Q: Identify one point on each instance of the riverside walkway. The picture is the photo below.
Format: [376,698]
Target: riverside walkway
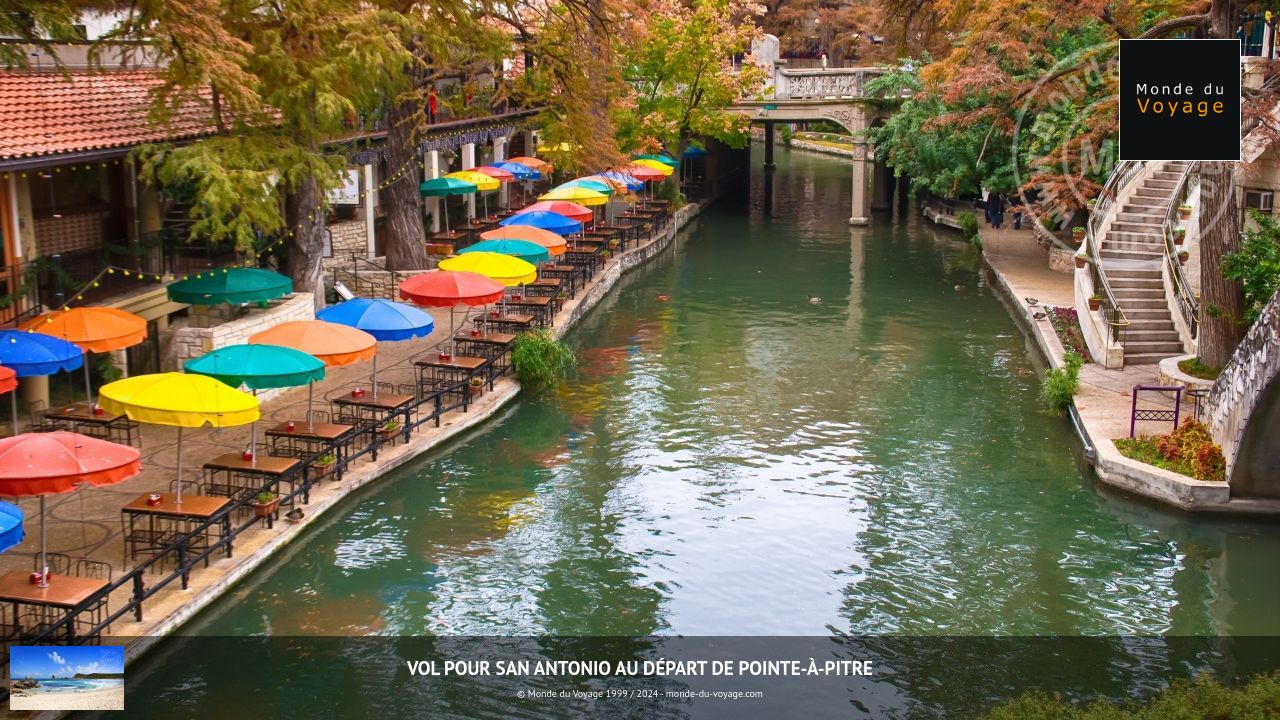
[87,523]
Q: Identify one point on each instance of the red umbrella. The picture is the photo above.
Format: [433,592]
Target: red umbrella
[571,210]
[9,383]
[444,288]
[58,462]
[496,173]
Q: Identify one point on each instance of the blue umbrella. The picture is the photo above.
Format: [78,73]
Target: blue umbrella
[522,172]
[693,151]
[31,354]
[532,253]
[554,222]
[11,532]
[383,319]
[631,182]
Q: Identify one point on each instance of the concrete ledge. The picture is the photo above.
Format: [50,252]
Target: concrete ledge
[1158,484]
[1171,375]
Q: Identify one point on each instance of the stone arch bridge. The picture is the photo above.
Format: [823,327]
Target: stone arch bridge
[837,95]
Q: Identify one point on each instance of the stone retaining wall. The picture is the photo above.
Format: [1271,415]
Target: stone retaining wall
[349,238]
[1236,392]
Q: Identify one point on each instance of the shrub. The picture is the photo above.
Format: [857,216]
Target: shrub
[1257,264]
[1060,384]
[1197,369]
[1202,699]
[1188,450]
[785,132]
[968,223]
[540,359]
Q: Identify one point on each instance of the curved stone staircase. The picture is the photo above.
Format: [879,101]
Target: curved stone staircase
[1132,250]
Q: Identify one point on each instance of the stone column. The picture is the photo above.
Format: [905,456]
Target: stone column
[468,162]
[769,165]
[500,154]
[431,171]
[861,175]
[370,200]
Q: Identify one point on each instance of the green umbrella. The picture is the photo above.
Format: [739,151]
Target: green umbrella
[443,186]
[665,160]
[258,367]
[531,253]
[230,285]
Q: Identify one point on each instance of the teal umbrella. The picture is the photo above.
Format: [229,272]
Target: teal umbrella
[230,285]
[445,186]
[531,253]
[589,185]
[259,367]
[664,159]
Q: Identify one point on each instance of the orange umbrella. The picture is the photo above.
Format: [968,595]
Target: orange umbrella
[540,165]
[58,462]
[554,244]
[94,329]
[333,343]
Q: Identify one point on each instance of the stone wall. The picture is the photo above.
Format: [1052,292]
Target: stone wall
[349,238]
[1237,391]
[192,342]
[364,280]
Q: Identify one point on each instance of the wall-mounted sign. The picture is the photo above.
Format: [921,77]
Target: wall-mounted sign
[348,193]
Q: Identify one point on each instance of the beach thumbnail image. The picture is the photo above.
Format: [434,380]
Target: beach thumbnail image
[58,677]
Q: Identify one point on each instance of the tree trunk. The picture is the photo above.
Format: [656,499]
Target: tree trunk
[306,247]
[1221,300]
[405,240]
[1224,18]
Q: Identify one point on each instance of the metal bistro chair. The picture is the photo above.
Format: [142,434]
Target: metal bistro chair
[59,563]
[99,609]
[38,421]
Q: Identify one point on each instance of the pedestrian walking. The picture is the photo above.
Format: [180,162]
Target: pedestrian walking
[996,203]
[433,104]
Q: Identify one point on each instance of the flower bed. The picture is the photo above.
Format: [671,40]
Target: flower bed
[1189,450]
[1066,323]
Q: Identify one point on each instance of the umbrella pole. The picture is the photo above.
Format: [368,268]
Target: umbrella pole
[253,439]
[88,389]
[486,204]
[453,341]
[444,202]
[13,405]
[311,387]
[44,560]
[374,380]
[179,500]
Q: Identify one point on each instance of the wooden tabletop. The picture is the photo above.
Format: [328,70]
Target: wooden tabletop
[317,431]
[457,362]
[493,338]
[201,507]
[65,591]
[530,300]
[384,401]
[513,318]
[447,236]
[262,464]
[80,412]
[546,282]
[558,269]
[600,233]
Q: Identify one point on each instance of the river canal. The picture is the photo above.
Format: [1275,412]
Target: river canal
[736,458]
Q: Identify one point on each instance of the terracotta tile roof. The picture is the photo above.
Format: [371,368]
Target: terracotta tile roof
[48,113]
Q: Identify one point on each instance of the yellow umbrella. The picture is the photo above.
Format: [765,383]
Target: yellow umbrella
[663,168]
[509,271]
[580,195]
[480,180]
[617,187]
[179,399]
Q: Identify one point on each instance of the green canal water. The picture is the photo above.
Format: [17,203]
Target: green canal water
[734,459]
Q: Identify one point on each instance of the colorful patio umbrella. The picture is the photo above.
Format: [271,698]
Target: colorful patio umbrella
[664,159]
[552,222]
[94,329]
[11,530]
[31,354]
[694,151]
[330,342]
[632,182]
[571,210]
[504,269]
[9,384]
[580,195]
[58,462]
[257,367]
[181,400]
[440,288]
[519,170]
[230,285]
[617,187]
[661,167]
[443,187]
[496,173]
[541,166]
[642,172]
[383,319]
[483,183]
[586,183]
[554,244]
[529,252]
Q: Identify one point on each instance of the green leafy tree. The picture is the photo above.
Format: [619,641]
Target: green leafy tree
[1257,264]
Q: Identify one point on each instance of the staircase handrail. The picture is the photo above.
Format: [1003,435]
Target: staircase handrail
[1123,174]
[1187,303]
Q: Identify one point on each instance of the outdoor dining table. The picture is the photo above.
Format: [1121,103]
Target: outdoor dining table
[379,410]
[565,272]
[511,322]
[585,258]
[252,474]
[309,440]
[544,286]
[79,417]
[494,346]
[456,238]
[169,520]
[63,591]
[543,307]
[452,375]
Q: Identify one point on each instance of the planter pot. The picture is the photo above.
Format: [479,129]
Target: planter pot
[1095,304]
[266,509]
[1182,259]
[475,390]
[1184,214]
[323,471]
[439,249]
[1177,239]
[1077,234]
[1080,262]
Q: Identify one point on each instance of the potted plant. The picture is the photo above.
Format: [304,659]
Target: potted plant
[1077,233]
[324,464]
[1092,203]
[613,244]
[388,429]
[265,504]
[1095,302]
[1179,235]
[562,296]
[604,254]
[1184,211]
[1081,259]
[476,386]
[1182,256]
